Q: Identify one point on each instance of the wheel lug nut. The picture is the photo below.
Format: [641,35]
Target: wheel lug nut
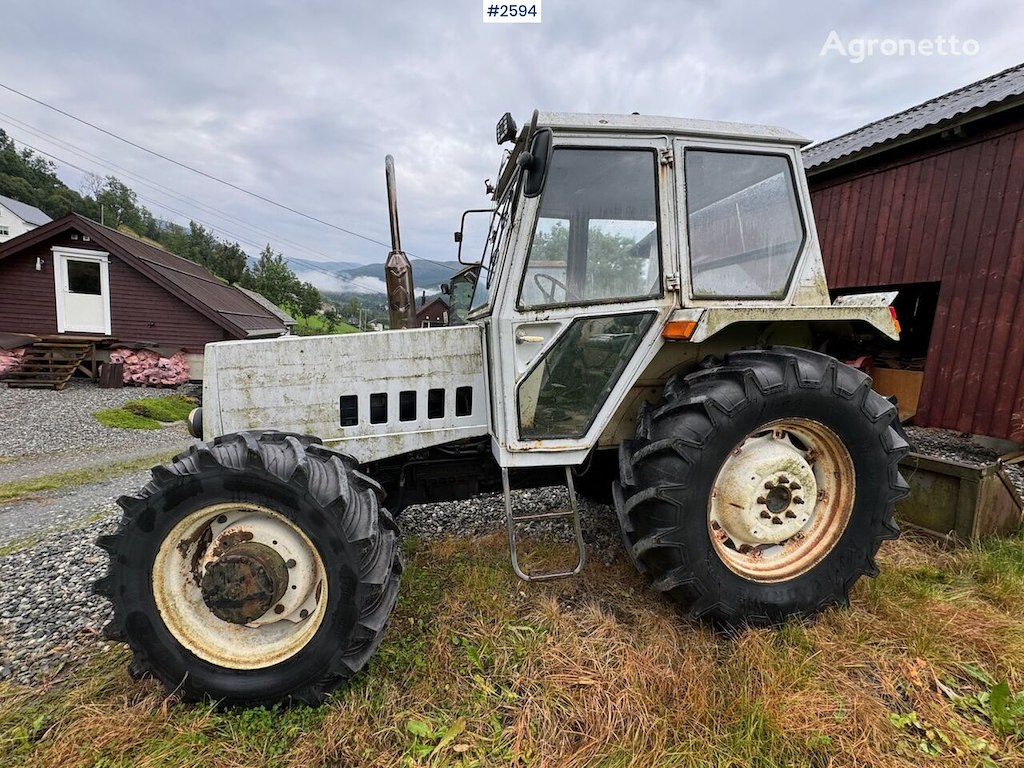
[769,485]
[797,500]
[783,479]
[278,608]
[303,613]
[221,519]
[765,514]
[795,485]
[762,500]
[289,563]
[790,514]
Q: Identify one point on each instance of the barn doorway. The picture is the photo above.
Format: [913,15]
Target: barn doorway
[898,368]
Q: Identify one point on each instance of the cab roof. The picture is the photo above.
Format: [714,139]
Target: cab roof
[577,122]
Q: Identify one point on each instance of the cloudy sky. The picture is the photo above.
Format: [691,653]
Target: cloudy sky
[299,101]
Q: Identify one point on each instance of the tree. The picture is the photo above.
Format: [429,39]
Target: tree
[119,205]
[332,320]
[273,278]
[353,309]
[307,299]
[229,262]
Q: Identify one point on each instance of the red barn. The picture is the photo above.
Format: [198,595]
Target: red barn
[930,201]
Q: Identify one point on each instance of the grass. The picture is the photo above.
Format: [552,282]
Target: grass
[314,325]
[147,413]
[478,669]
[21,488]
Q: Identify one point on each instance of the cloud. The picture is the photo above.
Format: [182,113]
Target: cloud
[360,284]
[300,102]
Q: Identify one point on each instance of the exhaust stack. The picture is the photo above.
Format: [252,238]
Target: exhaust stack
[397,269]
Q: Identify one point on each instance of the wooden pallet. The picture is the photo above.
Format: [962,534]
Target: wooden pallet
[50,363]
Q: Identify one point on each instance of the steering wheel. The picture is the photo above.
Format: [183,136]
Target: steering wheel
[549,296]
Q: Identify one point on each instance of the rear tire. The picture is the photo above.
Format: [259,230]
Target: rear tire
[712,502]
[300,507]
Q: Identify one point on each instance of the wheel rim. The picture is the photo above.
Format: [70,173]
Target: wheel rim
[782,500]
[239,585]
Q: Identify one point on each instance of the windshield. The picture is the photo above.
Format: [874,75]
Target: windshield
[596,238]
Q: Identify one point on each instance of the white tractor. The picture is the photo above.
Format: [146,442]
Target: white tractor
[645,324]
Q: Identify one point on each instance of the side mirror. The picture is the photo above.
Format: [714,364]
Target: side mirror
[459,236]
[535,163]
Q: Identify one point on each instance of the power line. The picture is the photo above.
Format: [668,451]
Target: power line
[21,125]
[210,176]
[233,236]
[187,167]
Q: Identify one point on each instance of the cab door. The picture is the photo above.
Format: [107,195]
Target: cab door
[584,298]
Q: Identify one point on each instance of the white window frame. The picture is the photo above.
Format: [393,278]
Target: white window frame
[80,254]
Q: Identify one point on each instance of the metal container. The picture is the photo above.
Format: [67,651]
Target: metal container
[955,500]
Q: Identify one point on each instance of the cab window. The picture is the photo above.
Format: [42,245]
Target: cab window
[596,238]
[743,223]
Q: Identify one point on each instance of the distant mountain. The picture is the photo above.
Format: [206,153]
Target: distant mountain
[425,274]
[329,266]
[368,278]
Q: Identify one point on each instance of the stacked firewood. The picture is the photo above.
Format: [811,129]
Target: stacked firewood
[148,368]
[10,359]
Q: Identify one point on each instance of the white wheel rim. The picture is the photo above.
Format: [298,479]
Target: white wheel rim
[782,500]
[189,549]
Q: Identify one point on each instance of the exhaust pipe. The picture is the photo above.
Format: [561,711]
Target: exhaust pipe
[397,269]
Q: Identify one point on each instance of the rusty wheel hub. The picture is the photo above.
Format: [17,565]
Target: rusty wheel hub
[244,582]
[240,585]
[781,500]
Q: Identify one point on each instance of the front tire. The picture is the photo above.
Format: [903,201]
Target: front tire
[762,489]
[254,569]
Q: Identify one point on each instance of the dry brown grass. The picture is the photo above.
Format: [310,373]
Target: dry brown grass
[480,669]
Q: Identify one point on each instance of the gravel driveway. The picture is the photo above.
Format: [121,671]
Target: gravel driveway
[48,613]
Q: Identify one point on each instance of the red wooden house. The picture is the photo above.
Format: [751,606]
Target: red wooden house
[75,278]
[431,313]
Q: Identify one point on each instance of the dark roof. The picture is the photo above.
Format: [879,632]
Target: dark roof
[430,306]
[1000,91]
[266,303]
[227,306]
[24,211]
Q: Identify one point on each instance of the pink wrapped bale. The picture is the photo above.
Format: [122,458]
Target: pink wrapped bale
[10,359]
[146,367]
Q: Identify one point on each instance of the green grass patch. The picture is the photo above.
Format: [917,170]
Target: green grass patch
[147,413]
[316,325]
[22,488]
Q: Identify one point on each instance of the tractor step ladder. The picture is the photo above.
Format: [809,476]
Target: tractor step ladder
[514,521]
